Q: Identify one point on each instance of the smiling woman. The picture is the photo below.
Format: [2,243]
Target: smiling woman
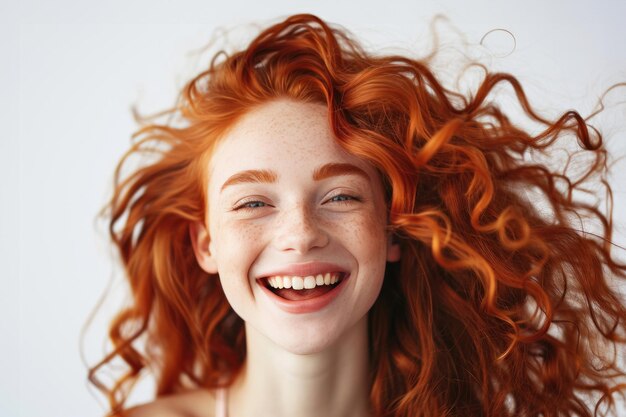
[274,217]
[331,232]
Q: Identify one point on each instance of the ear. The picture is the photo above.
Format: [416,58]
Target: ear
[393,249]
[201,242]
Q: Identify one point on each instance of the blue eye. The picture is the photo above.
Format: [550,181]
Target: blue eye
[255,204]
[341,197]
[250,205]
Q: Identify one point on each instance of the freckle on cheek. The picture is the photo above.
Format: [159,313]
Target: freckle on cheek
[248,231]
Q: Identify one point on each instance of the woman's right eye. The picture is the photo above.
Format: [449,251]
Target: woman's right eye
[249,205]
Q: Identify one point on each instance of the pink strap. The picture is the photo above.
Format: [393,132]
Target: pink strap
[221,409]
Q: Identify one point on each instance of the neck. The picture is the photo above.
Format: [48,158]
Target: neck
[275,382]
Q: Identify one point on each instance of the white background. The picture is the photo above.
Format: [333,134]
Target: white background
[70,71]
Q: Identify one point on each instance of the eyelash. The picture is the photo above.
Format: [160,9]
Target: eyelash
[246,205]
[256,204]
[346,198]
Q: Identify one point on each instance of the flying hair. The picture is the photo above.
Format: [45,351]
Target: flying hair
[498,306]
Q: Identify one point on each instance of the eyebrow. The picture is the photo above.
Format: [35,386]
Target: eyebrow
[251,176]
[266,176]
[336,169]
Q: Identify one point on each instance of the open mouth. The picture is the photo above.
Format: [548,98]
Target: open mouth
[296,288]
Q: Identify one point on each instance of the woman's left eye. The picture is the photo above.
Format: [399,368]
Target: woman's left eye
[342,198]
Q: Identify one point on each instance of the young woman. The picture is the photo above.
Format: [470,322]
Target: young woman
[328,232]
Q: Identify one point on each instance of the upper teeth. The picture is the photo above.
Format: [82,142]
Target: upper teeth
[300,283]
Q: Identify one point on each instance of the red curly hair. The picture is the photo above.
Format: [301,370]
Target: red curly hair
[500,306]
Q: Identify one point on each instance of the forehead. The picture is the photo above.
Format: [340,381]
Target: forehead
[282,124]
[285,136]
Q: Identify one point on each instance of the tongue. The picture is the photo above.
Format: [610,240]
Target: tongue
[298,295]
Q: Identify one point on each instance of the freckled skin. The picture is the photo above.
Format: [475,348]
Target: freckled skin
[296,220]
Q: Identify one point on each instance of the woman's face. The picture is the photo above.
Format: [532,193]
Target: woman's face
[287,207]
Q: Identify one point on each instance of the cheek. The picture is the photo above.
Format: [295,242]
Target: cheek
[366,241]
[236,245]
[367,235]
[369,246]
[236,248]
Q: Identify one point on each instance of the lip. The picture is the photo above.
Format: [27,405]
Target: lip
[304,269]
[313,304]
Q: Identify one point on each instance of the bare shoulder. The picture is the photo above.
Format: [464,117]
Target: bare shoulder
[196,403]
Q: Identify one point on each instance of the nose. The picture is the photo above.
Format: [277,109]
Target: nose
[298,229]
